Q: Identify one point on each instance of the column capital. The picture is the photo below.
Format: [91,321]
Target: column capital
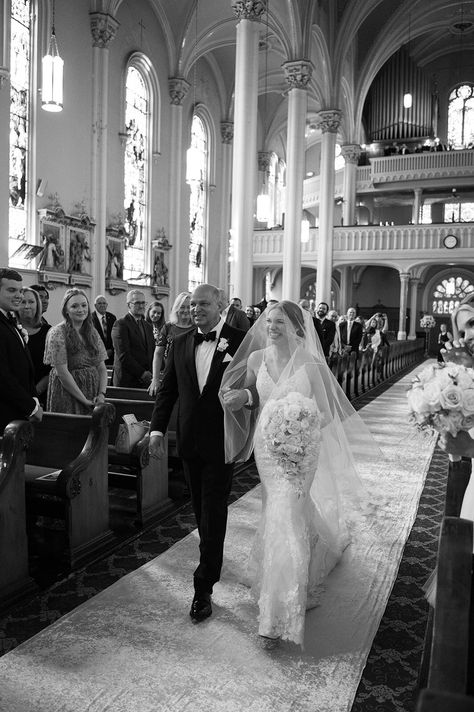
[249,9]
[227,131]
[178,88]
[351,152]
[404,277]
[414,281]
[329,120]
[298,73]
[4,76]
[103,28]
[264,159]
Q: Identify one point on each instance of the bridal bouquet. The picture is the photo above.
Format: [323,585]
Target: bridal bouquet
[442,399]
[290,429]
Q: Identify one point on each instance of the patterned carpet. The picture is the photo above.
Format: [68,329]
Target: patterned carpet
[389,681]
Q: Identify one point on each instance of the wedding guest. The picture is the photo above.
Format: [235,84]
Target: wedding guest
[327,330]
[134,345]
[350,332]
[374,339]
[155,315]
[103,321]
[250,314]
[193,373]
[77,355]
[179,323]
[18,399]
[30,316]
[444,336]
[233,313]
[44,298]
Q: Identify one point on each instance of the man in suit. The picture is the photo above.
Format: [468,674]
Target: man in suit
[133,344]
[233,313]
[103,321]
[18,399]
[327,328]
[350,332]
[193,373]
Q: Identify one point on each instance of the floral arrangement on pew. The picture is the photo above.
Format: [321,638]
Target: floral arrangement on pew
[427,322]
[442,399]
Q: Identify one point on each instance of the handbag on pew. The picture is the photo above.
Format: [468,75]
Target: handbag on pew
[130,432]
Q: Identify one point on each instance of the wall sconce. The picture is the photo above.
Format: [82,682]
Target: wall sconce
[407,100]
[52,89]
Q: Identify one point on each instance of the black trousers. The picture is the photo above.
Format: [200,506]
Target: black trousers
[209,485]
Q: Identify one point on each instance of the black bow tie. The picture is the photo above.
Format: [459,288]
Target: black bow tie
[11,318]
[199,338]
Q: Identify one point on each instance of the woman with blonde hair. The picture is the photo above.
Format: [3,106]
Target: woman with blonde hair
[179,323]
[74,349]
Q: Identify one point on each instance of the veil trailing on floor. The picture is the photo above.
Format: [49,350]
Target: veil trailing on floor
[347,447]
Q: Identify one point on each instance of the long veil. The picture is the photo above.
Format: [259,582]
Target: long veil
[347,446]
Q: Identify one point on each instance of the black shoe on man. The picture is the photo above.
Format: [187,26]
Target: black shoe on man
[201,607]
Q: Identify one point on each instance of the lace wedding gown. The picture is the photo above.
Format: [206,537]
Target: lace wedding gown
[294,548]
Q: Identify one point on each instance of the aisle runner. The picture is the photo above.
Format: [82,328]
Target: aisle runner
[132,648]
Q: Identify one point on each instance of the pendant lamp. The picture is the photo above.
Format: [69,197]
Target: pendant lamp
[52,89]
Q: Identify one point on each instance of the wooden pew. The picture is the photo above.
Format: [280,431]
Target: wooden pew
[14,579]
[66,478]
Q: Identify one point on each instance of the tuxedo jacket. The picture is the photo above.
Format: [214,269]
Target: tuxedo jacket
[355,336]
[326,330]
[107,338]
[131,355]
[17,381]
[200,420]
[237,318]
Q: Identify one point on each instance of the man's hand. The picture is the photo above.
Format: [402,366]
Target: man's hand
[457,352]
[146,378]
[235,399]
[37,417]
[156,447]
[462,445]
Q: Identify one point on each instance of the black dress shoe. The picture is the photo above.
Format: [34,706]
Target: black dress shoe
[201,607]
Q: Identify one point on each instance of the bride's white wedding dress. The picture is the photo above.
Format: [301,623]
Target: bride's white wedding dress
[295,546]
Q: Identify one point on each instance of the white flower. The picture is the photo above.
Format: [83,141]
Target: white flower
[223,344]
[23,332]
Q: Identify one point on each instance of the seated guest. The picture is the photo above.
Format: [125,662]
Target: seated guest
[78,377]
[179,323]
[30,316]
[155,315]
[18,400]
[134,345]
[44,298]
[103,321]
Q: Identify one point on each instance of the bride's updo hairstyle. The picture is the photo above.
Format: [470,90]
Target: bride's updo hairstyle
[294,314]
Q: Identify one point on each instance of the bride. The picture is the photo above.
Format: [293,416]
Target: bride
[281,400]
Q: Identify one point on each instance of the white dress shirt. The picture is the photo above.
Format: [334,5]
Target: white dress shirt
[204,354]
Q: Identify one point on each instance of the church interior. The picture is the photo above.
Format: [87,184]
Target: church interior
[318,150]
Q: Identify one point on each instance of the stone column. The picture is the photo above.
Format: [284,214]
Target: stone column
[103,29]
[414,283]
[263,162]
[346,289]
[4,127]
[298,74]
[351,153]
[248,13]
[227,134]
[417,205]
[402,334]
[178,88]
[329,122]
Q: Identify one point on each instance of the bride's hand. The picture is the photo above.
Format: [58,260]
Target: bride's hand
[458,353]
[235,399]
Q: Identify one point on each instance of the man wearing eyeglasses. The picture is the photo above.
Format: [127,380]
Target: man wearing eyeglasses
[134,345]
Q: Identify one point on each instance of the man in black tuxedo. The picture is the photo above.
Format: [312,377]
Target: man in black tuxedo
[103,321]
[18,399]
[193,373]
[350,332]
[134,345]
[325,327]
[233,313]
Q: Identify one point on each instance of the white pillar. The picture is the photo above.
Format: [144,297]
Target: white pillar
[351,153]
[245,144]
[178,88]
[417,204]
[414,282]
[4,128]
[329,122]
[227,134]
[402,334]
[346,289]
[298,74]
[103,29]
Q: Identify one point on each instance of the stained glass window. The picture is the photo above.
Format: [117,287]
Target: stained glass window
[20,53]
[135,173]
[448,294]
[459,212]
[461,117]
[197,179]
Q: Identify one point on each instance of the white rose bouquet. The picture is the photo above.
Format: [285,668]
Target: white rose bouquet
[290,429]
[442,399]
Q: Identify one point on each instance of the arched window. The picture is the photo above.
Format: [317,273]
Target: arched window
[20,94]
[448,294]
[136,168]
[461,116]
[197,177]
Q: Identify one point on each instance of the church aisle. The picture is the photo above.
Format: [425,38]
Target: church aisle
[132,647]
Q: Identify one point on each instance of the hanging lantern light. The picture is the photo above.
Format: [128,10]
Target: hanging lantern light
[407,100]
[52,89]
[305,230]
